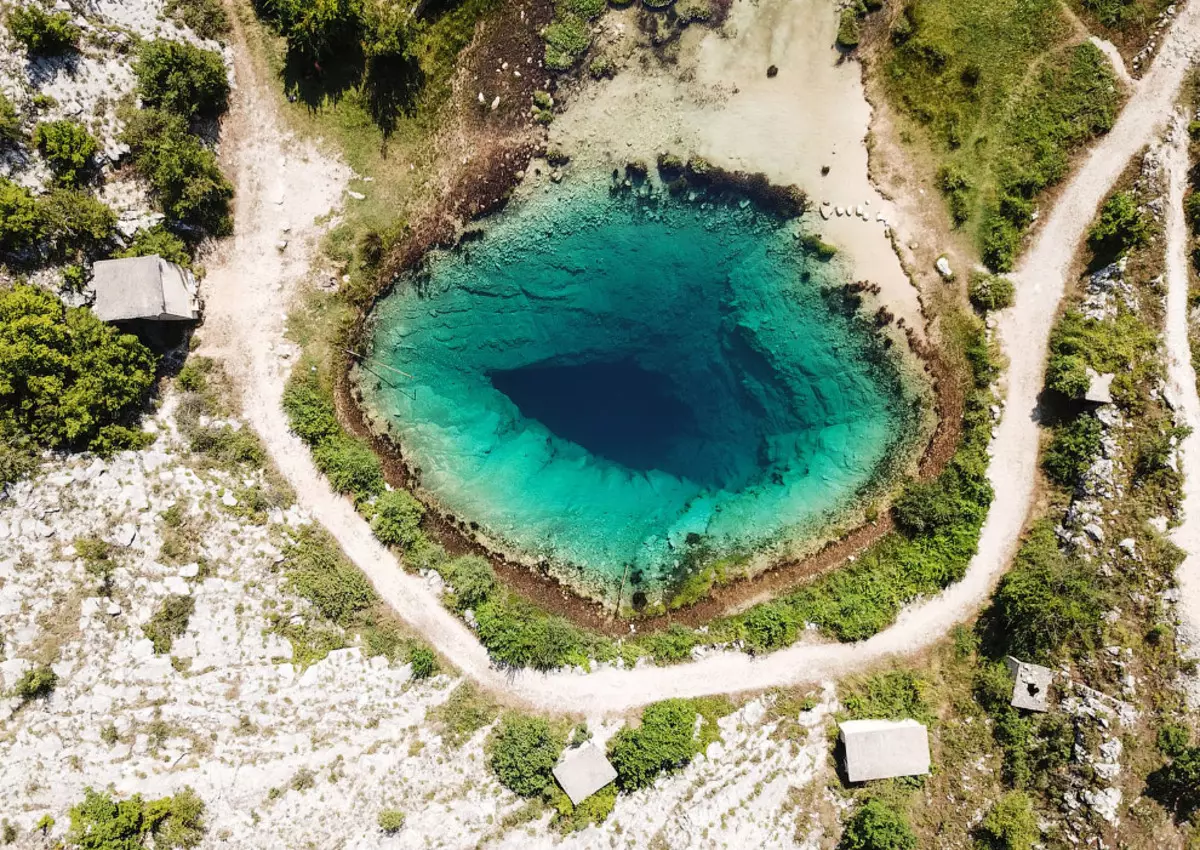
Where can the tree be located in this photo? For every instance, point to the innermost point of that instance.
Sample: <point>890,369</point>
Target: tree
<point>68,148</point>
<point>66,378</point>
<point>321,28</point>
<point>75,223</point>
<point>1010,824</point>
<point>665,741</point>
<point>1177,785</point>
<point>41,33</point>
<point>182,78</point>
<point>878,826</point>
<point>524,752</point>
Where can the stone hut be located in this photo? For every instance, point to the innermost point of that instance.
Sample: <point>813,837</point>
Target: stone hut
<point>882,749</point>
<point>1099,389</point>
<point>583,771</point>
<point>1031,685</point>
<point>144,289</point>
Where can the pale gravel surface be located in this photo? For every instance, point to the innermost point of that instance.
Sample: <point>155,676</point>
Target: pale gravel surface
<point>250,286</point>
<point>1181,389</point>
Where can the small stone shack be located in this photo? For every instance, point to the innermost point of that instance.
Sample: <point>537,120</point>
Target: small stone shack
<point>1031,685</point>
<point>583,771</point>
<point>1099,389</point>
<point>139,289</point>
<point>882,749</point>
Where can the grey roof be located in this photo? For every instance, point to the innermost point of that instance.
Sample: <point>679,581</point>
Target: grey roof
<point>1031,685</point>
<point>143,288</point>
<point>881,749</point>
<point>1099,391</point>
<point>583,771</point>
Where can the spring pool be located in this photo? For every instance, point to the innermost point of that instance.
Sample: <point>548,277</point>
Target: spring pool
<point>610,383</point>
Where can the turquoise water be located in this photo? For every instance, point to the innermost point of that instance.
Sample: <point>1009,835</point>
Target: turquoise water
<point>605,381</point>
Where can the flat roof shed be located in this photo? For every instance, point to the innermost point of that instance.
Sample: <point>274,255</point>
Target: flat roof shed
<point>1031,684</point>
<point>147,288</point>
<point>583,771</point>
<point>882,749</point>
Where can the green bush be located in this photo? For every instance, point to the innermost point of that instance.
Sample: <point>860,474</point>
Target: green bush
<point>1046,603</point>
<point>310,412</point>
<point>423,662</point>
<point>822,250</point>
<point>36,683</point>
<point>75,223</point>
<point>925,506</point>
<point>594,810</point>
<point>102,823</point>
<point>665,741</point>
<point>206,18</point>
<point>391,821</point>
<point>43,34</point>
<point>465,712</point>
<point>1177,785</point>
<point>1010,824</point>
<point>1001,242</point>
<point>567,39</point>
<point>1173,739</point>
<point>990,292</point>
<point>228,445</point>
<point>894,695</point>
<point>68,148</point>
<point>878,826</point>
<point>158,241</point>
<point>849,28</point>
<point>350,466</point>
<point>1072,449</point>
<point>10,122</point>
<point>1111,13</point>
<point>1191,208</point>
<point>523,752</point>
<point>169,622</point>
<point>182,173</point>
<point>319,572</point>
<point>20,220</point>
<point>1120,228</point>
<point>397,519</point>
<point>473,581</point>
<point>585,9</point>
<point>181,78</point>
<point>67,379</point>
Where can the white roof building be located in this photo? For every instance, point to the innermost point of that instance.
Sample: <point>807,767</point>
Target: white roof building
<point>881,749</point>
<point>583,771</point>
<point>144,288</point>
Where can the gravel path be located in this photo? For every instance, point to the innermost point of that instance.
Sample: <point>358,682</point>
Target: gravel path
<point>1181,391</point>
<point>250,284</point>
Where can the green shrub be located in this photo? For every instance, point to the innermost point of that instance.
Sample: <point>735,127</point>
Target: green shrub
<point>594,810</point>
<point>350,466</point>
<point>567,39</point>
<point>206,18</point>
<point>584,9</point>
<point>1191,208</point>
<point>67,379</point>
<point>523,752</point>
<point>228,445</point>
<point>814,245</point>
<point>878,826</point>
<point>102,823</point>
<point>75,223</point>
<point>181,78</point>
<point>1120,228</point>
<point>20,220</point>
<point>1010,824</point>
<point>423,662</point>
<point>43,34</point>
<point>1001,242</point>
<point>182,173</point>
<point>36,683</point>
<point>397,519</point>
<point>516,634</point>
<point>1046,602</point>
<point>1177,785</point>
<point>169,622</point>
<point>956,187</point>
<point>1173,739</point>
<point>1072,449</point>
<point>665,741</point>
<point>894,695</point>
<point>473,581</point>
<point>68,148</point>
<point>319,572</point>
<point>1110,13</point>
<point>925,506</point>
<point>990,292</point>
<point>465,712</point>
<point>849,28</point>
<point>310,412</point>
<point>158,241</point>
<point>10,122</point>
<point>391,821</point>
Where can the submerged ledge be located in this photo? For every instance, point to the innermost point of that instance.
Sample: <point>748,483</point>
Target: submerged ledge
<point>692,552</point>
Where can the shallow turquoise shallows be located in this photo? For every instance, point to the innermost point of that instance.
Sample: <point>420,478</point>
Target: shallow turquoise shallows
<point>605,382</point>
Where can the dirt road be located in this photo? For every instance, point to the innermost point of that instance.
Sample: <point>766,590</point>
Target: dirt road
<point>251,282</point>
<point>1181,392</point>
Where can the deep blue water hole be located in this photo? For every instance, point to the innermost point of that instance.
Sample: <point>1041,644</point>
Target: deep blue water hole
<point>602,379</point>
